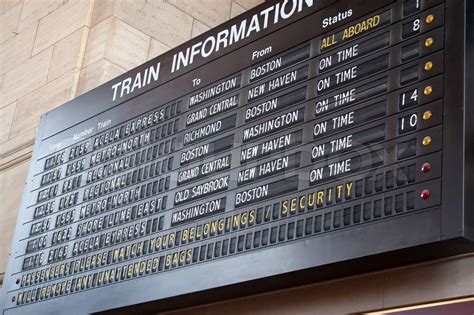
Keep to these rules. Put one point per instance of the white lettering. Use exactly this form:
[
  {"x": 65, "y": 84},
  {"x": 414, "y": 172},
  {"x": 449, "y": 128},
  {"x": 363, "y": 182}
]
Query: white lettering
[
  {"x": 240, "y": 31},
  {"x": 140, "y": 80}
]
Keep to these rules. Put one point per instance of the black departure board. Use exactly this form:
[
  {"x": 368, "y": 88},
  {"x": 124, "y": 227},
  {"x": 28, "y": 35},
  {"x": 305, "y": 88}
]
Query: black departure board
[{"x": 304, "y": 140}]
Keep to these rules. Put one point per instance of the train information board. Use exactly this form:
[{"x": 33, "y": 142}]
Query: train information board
[{"x": 301, "y": 141}]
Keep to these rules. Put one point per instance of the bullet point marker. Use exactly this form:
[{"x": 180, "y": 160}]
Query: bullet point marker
[
  {"x": 426, "y": 167},
  {"x": 428, "y": 66},
  {"x": 427, "y": 115},
  {"x": 428, "y": 90},
  {"x": 426, "y": 141},
  {"x": 425, "y": 194}
]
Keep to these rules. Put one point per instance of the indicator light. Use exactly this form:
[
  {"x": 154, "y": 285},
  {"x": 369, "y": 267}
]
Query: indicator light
[
  {"x": 430, "y": 18},
  {"x": 425, "y": 194},
  {"x": 13, "y": 299},
  {"x": 428, "y": 66},
  {"x": 17, "y": 281},
  {"x": 428, "y": 90},
  {"x": 427, "y": 115},
  {"x": 426, "y": 167},
  {"x": 426, "y": 141},
  {"x": 429, "y": 41}
]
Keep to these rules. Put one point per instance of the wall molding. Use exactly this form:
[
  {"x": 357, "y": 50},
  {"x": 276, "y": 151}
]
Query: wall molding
[{"x": 17, "y": 155}]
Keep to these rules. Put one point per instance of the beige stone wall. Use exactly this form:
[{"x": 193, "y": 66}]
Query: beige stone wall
[
  {"x": 51, "y": 51},
  {"x": 412, "y": 285},
  {"x": 54, "y": 50}
]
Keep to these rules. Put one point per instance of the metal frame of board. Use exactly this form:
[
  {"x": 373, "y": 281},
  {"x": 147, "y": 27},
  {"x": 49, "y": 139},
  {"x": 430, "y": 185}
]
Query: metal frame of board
[{"x": 433, "y": 232}]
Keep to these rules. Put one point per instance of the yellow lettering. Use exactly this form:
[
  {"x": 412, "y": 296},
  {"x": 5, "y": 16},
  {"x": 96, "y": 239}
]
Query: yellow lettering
[
  {"x": 205, "y": 230},
  {"x": 134, "y": 250},
  {"x": 106, "y": 276},
  {"x": 339, "y": 191},
  {"x": 320, "y": 200},
  {"x": 361, "y": 27},
  {"x": 302, "y": 203},
  {"x": 88, "y": 264},
  {"x": 228, "y": 221},
  {"x": 192, "y": 232},
  {"x": 175, "y": 259},
  {"x": 252, "y": 217},
  {"x": 267, "y": 213},
  {"x": 213, "y": 227},
  {"x": 221, "y": 226},
  {"x": 152, "y": 244},
  {"x": 63, "y": 286},
  {"x": 111, "y": 277},
  {"x": 349, "y": 190},
  {"x": 140, "y": 248},
  {"x": 142, "y": 267},
  {"x": 235, "y": 223},
  {"x": 118, "y": 272},
  {"x": 293, "y": 206},
  {"x": 127, "y": 251},
  {"x": 156, "y": 262},
  {"x": 100, "y": 279},
  {"x": 85, "y": 283},
  {"x": 198, "y": 232},
  {"x": 184, "y": 236},
  {"x": 370, "y": 23},
  {"x": 328, "y": 41},
  {"x": 182, "y": 257},
  {"x": 243, "y": 219},
  {"x": 121, "y": 253},
  {"x": 165, "y": 240},
  {"x": 188, "y": 256},
  {"x": 171, "y": 239},
  {"x": 136, "y": 269},
  {"x": 20, "y": 296},
  {"x": 329, "y": 195},
  {"x": 68, "y": 286},
  {"x": 158, "y": 243},
  {"x": 284, "y": 208}
]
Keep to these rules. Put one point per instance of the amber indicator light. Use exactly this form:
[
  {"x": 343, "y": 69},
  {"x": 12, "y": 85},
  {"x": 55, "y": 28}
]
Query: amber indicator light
[
  {"x": 428, "y": 90},
  {"x": 426, "y": 141},
  {"x": 428, "y": 66},
  {"x": 427, "y": 115}
]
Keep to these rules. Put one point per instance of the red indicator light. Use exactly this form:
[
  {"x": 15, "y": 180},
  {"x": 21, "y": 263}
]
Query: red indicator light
[
  {"x": 425, "y": 194},
  {"x": 426, "y": 167},
  {"x": 17, "y": 281}
]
